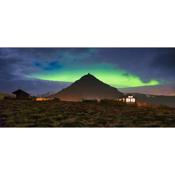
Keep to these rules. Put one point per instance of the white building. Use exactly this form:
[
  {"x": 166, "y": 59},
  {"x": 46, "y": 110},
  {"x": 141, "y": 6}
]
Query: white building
[{"x": 128, "y": 99}]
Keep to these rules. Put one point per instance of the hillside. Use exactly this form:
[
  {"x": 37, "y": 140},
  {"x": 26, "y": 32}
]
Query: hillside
[
  {"x": 82, "y": 114},
  {"x": 2, "y": 95},
  {"x": 156, "y": 99}
]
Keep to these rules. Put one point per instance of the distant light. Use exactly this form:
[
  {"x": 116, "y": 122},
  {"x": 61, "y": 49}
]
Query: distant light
[{"x": 130, "y": 99}]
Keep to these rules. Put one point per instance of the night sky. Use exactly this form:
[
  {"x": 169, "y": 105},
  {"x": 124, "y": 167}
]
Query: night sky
[{"x": 42, "y": 70}]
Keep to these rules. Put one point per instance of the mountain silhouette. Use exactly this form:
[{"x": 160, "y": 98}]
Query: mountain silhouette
[{"x": 88, "y": 87}]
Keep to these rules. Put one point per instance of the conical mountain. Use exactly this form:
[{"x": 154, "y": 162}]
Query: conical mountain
[{"x": 88, "y": 87}]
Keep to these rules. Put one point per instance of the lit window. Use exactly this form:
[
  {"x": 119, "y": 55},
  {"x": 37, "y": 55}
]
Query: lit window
[
  {"x": 127, "y": 100},
  {"x": 133, "y": 100}
]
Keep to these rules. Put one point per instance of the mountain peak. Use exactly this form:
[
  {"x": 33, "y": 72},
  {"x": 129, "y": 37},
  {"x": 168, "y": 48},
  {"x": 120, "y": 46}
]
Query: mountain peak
[
  {"x": 88, "y": 87},
  {"x": 89, "y": 76},
  {"x": 88, "y": 80}
]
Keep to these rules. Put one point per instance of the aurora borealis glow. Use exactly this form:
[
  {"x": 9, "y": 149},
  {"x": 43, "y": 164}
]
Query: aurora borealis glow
[
  {"x": 56, "y": 68},
  {"x": 106, "y": 73}
]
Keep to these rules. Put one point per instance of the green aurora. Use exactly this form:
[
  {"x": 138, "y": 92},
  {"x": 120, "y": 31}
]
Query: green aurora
[{"x": 104, "y": 72}]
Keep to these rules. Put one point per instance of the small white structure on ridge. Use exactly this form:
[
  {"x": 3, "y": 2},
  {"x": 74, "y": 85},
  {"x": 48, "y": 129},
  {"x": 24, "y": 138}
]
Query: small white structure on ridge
[{"x": 128, "y": 99}]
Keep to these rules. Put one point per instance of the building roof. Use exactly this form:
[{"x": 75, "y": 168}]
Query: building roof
[
  {"x": 19, "y": 91},
  {"x": 126, "y": 95}
]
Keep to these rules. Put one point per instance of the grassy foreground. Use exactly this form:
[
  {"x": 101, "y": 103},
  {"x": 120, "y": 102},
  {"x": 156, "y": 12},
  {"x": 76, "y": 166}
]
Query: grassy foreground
[{"x": 17, "y": 113}]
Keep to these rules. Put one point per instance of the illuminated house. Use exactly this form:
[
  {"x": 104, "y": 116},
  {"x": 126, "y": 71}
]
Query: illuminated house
[
  {"x": 43, "y": 99},
  {"x": 128, "y": 99}
]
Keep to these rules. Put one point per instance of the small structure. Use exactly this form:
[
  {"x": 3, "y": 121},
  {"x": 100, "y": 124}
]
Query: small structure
[
  {"x": 129, "y": 99},
  {"x": 39, "y": 99},
  {"x": 20, "y": 94},
  {"x": 43, "y": 99}
]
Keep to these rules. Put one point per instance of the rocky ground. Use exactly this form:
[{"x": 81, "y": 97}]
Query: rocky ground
[{"x": 17, "y": 113}]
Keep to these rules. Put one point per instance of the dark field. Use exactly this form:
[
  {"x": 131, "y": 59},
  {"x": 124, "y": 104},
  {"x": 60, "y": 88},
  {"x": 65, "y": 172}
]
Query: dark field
[{"x": 17, "y": 113}]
